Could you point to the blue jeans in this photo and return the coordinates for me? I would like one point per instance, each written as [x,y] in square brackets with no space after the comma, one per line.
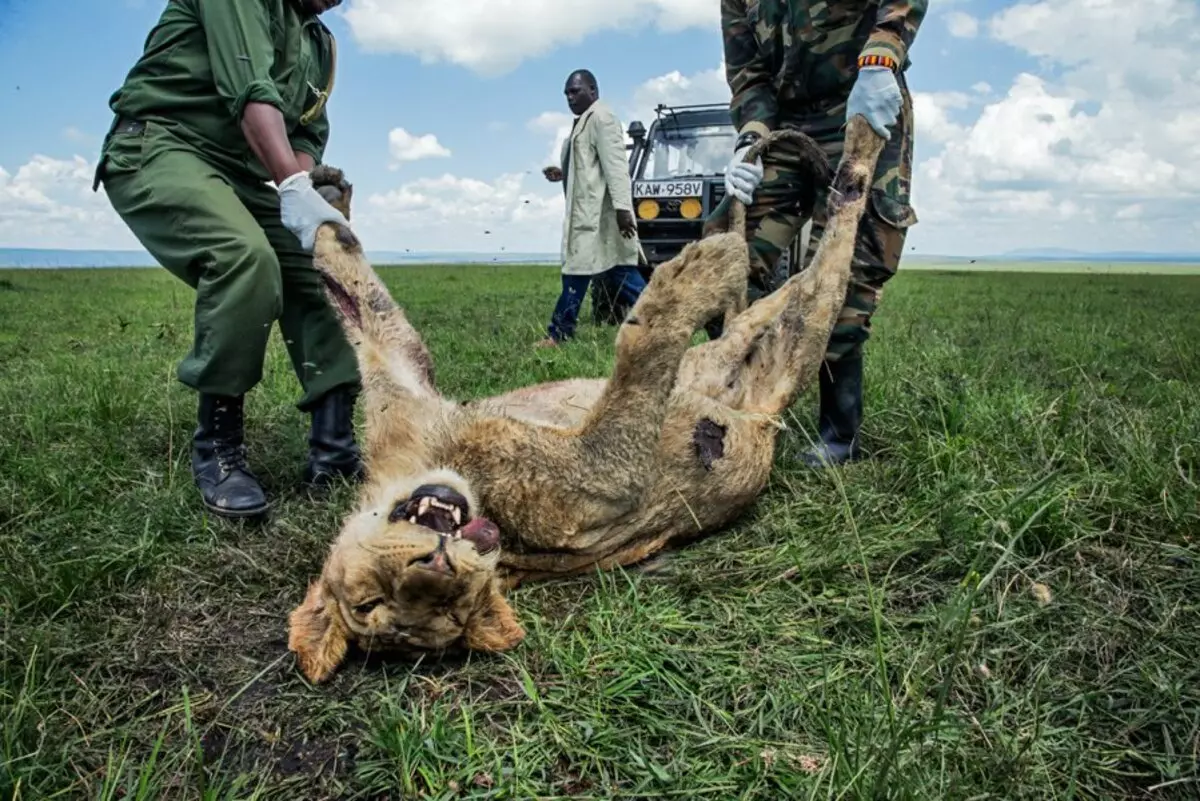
[626,280]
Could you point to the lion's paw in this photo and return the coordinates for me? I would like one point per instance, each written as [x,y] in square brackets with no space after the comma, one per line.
[331,184]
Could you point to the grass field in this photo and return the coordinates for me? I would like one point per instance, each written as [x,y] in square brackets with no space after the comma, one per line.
[1003,604]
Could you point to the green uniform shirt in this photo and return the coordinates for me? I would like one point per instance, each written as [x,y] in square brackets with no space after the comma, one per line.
[799,57]
[205,59]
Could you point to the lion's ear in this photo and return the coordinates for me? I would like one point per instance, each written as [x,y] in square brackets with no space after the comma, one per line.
[317,634]
[493,626]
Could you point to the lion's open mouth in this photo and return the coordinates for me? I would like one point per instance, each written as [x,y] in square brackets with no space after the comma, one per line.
[446,511]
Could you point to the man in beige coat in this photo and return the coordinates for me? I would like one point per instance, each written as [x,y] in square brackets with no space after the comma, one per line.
[599,233]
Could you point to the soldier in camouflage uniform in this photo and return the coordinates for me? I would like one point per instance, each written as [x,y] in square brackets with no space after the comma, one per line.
[226,97]
[810,66]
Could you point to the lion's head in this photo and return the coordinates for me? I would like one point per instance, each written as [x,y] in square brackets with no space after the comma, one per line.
[412,571]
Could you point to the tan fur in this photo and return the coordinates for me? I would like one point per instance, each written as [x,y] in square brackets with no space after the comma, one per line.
[578,475]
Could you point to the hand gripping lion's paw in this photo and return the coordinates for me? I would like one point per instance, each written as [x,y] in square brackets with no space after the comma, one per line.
[331,184]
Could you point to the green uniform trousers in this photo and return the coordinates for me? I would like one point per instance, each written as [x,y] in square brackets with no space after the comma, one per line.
[221,234]
[787,197]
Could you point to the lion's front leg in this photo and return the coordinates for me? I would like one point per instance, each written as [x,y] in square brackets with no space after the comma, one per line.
[395,367]
[770,352]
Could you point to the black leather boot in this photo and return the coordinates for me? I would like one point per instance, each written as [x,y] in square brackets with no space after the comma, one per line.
[332,451]
[840,414]
[227,486]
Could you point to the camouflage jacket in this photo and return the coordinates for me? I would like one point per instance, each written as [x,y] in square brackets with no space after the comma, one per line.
[800,56]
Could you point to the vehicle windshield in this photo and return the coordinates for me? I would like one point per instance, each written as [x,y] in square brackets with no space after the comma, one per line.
[673,152]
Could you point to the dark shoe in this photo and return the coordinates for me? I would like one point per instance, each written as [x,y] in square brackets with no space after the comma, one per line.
[840,414]
[332,451]
[227,486]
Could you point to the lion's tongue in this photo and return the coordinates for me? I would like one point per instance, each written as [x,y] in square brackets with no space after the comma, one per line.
[483,533]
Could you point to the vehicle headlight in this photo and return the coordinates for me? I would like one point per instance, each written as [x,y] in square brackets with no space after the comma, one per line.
[647,209]
[690,208]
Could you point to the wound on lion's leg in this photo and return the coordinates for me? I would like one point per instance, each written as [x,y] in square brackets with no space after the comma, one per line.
[708,438]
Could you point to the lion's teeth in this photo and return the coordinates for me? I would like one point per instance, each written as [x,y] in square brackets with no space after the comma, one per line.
[423,506]
[444,506]
[413,520]
[456,513]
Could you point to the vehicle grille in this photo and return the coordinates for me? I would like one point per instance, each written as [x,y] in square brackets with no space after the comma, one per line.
[716,193]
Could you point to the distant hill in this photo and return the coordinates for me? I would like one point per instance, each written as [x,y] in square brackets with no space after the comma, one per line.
[1064,254]
[41,258]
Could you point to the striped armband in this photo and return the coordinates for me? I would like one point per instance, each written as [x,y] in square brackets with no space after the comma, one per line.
[874,60]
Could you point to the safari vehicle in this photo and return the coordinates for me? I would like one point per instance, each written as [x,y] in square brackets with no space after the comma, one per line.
[677,175]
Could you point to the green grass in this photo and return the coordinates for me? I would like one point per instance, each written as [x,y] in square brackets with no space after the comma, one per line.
[1001,605]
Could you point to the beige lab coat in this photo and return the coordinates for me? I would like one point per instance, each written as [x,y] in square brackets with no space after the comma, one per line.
[597,184]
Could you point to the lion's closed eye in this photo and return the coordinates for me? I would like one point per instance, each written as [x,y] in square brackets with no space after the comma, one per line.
[366,607]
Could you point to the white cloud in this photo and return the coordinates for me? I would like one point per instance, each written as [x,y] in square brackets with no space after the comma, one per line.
[677,89]
[403,146]
[1099,149]
[516,212]
[1023,137]
[931,112]
[962,25]
[549,122]
[493,38]
[557,125]
[49,203]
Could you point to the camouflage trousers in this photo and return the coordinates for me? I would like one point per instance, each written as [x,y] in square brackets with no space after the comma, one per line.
[787,198]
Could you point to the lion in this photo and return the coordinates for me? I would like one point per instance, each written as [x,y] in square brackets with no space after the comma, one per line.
[463,501]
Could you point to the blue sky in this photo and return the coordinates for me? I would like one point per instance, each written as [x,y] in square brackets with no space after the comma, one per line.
[1039,123]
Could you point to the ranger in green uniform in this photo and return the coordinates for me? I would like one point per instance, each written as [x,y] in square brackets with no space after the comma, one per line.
[810,65]
[227,97]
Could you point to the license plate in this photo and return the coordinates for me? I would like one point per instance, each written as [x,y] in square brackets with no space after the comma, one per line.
[668,189]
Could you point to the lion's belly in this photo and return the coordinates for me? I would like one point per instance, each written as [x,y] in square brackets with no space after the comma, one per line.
[711,463]
[562,404]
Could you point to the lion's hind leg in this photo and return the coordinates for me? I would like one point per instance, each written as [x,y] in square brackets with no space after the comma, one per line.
[706,278]
[771,351]
[563,487]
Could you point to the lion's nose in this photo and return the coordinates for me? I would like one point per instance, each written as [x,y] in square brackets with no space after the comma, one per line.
[436,561]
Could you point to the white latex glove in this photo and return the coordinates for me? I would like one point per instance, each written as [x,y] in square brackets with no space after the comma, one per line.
[741,179]
[876,96]
[303,210]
